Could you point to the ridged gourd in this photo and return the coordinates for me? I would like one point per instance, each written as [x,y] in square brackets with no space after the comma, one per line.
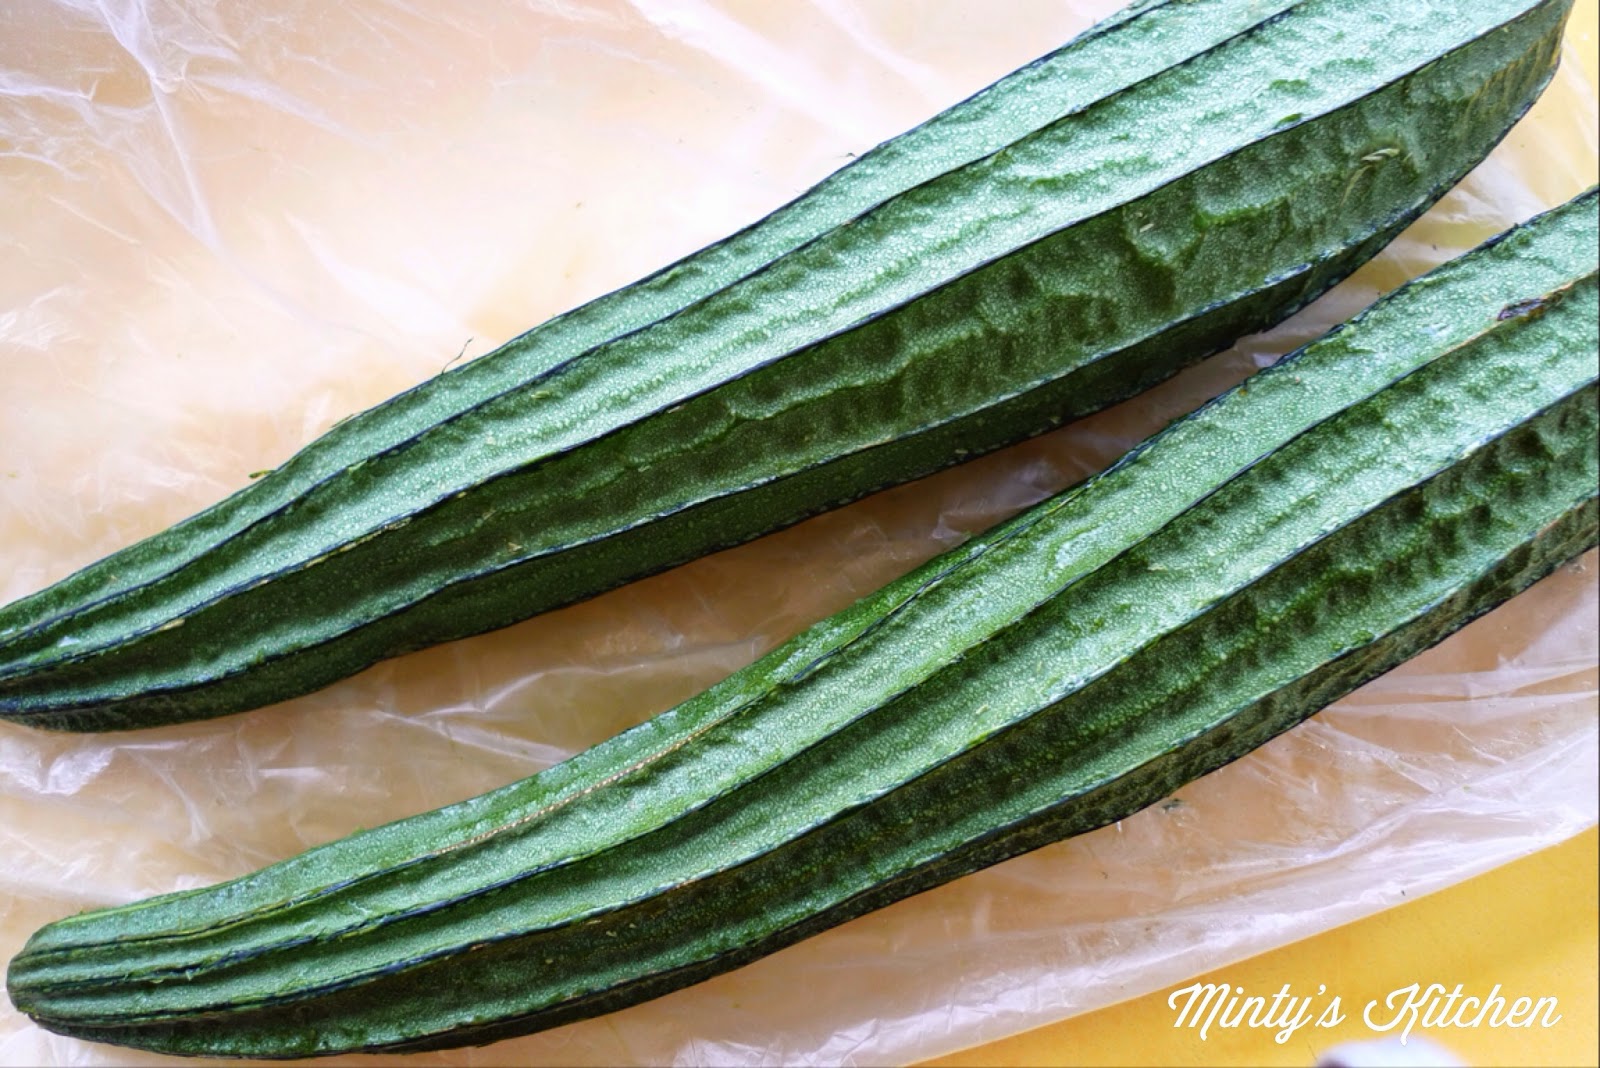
[1189,172]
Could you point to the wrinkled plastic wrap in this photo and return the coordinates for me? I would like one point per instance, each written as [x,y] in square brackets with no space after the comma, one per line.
[228,225]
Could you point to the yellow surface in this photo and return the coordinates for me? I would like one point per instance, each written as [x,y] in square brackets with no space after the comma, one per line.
[1529,926]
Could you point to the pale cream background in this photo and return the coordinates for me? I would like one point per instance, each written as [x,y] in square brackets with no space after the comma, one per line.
[227,225]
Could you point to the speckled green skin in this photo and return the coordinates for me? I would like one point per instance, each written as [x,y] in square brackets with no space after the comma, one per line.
[1193,172]
[1316,526]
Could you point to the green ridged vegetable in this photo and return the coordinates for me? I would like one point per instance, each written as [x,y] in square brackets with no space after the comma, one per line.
[1188,173]
[1294,538]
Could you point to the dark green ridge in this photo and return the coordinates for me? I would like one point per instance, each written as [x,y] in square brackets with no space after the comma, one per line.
[1458,464]
[683,480]
[1457,306]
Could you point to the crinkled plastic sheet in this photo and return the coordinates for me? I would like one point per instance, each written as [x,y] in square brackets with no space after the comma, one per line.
[226,226]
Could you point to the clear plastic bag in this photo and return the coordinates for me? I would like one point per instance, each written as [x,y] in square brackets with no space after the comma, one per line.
[229,225]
